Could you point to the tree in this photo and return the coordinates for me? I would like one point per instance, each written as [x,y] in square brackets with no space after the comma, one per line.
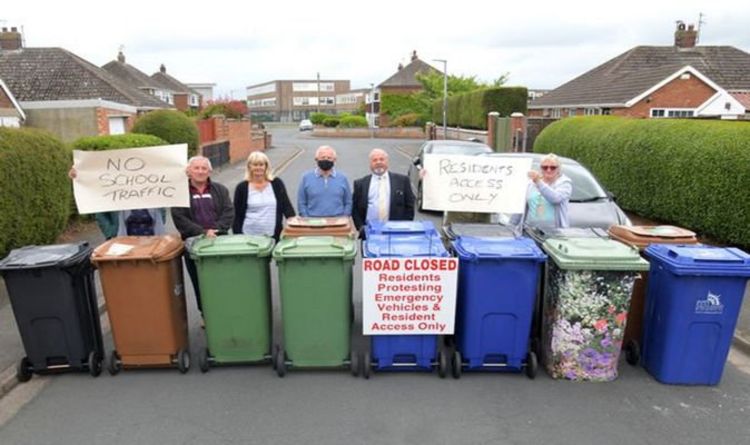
[432,83]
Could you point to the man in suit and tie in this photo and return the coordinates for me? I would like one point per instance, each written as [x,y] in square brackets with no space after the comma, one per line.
[383,195]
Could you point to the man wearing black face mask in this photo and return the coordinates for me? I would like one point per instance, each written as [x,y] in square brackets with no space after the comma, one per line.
[324,191]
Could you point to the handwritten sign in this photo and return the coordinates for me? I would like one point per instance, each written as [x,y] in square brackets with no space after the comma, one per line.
[409,296]
[132,178]
[480,184]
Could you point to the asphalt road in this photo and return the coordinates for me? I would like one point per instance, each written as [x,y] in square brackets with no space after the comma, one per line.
[241,405]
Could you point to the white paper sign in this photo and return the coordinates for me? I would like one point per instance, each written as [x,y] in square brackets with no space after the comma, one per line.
[132,178]
[409,296]
[481,184]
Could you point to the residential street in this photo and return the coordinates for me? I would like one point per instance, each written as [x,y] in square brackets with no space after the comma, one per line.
[250,404]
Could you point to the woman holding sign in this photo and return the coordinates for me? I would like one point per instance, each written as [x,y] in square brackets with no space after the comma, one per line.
[548,194]
[260,201]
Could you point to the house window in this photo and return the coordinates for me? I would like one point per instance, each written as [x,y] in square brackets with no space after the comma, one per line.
[672,113]
[555,113]
[592,111]
[571,111]
[606,111]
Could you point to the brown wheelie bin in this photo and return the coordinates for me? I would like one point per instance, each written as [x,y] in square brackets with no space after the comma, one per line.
[640,237]
[143,287]
[297,226]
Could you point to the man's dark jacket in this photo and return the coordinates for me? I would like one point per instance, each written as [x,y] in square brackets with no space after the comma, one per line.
[184,219]
[402,199]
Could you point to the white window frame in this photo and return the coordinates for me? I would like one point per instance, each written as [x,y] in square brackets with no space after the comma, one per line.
[672,113]
[555,113]
[592,111]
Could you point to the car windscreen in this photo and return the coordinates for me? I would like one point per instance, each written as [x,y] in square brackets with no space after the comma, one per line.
[459,149]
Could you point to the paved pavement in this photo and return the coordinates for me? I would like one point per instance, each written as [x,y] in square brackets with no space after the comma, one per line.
[11,348]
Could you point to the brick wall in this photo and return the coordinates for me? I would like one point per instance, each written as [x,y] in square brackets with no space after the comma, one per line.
[239,139]
[181,101]
[237,132]
[679,93]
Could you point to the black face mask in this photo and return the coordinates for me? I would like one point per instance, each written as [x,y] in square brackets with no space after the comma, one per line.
[325,164]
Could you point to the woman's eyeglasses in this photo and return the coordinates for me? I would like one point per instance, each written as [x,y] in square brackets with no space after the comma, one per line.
[549,167]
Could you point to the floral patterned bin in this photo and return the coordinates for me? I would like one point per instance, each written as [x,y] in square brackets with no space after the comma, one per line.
[589,283]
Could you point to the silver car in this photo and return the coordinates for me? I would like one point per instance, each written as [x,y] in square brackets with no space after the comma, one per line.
[440,147]
[306,125]
[591,205]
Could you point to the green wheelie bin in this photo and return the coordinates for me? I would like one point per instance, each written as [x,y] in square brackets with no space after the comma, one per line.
[233,272]
[315,287]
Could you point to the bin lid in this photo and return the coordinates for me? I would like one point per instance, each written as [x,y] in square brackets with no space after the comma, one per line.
[698,259]
[249,245]
[642,236]
[539,234]
[131,248]
[315,247]
[380,245]
[400,227]
[456,230]
[33,257]
[474,248]
[315,223]
[310,226]
[593,254]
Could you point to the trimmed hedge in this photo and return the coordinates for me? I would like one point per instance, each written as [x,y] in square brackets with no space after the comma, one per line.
[318,118]
[129,140]
[331,122]
[469,110]
[395,105]
[35,203]
[352,122]
[691,173]
[172,126]
[408,120]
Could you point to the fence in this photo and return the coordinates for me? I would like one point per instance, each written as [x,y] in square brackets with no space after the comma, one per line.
[217,152]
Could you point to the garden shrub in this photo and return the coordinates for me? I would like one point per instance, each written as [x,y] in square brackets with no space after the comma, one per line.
[35,207]
[331,122]
[171,126]
[352,122]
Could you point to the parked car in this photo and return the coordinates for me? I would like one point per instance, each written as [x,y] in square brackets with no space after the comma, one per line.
[440,147]
[305,125]
[591,205]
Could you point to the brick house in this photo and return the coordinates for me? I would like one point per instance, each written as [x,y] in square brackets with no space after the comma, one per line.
[11,114]
[184,97]
[138,79]
[403,81]
[67,95]
[679,81]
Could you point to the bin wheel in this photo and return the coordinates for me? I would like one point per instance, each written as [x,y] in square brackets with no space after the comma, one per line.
[632,352]
[183,360]
[456,365]
[532,365]
[354,363]
[203,362]
[94,364]
[366,365]
[115,365]
[24,370]
[535,346]
[280,363]
[442,364]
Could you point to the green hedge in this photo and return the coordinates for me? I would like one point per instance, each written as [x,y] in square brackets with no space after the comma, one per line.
[691,173]
[395,105]
[35,203]
[352,122]
[318,118]
[469,110]
[129,140]
[172,126]
[331,122]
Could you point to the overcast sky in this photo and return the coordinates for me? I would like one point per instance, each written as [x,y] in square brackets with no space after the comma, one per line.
[540,44]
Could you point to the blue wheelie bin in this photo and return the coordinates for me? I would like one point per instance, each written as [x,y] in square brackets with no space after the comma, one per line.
[497,287]
[404,352]
[693,301]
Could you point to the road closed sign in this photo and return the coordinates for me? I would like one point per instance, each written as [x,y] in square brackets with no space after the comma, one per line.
[409,296]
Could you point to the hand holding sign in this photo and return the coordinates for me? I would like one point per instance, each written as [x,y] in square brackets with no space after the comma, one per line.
[134,178]
[482,184]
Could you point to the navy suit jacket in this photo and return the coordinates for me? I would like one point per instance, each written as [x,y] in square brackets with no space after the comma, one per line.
[402,199]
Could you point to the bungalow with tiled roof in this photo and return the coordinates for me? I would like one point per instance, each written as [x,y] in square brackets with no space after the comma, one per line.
[184,97]
[679,81]
[69,96]
[137,78]
[11,114]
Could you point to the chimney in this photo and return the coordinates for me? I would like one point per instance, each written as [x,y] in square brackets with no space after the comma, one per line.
[11,40]
[163,69]
[400,66]
[120,57]
[685,38]
[414,55]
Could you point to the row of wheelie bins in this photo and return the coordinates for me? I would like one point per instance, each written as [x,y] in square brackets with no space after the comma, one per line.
[562,298]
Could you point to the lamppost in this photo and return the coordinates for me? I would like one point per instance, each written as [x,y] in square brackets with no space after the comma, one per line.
[318,92]
[445,95]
